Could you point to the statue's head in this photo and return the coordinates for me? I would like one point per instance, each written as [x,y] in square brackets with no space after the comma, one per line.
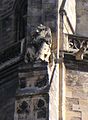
[41,30]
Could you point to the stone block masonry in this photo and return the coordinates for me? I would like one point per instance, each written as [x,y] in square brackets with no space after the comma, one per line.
[33,75]
[76,95]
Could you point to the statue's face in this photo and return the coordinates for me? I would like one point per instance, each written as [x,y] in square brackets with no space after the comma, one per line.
[41,32]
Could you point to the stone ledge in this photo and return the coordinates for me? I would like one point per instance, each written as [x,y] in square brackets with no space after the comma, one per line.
[32,91]
[35,64]
[73,64]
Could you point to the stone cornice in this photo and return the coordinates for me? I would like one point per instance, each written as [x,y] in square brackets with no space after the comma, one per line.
[72,63]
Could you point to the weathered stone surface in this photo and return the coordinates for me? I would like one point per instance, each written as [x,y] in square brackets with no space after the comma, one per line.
[36,106]
[82,19]
[76,94]
[6,23]
[34,76]
[32,107]
[7,31]
[73,115]
[40,45]
[71,12]
[42,12]
[54,95]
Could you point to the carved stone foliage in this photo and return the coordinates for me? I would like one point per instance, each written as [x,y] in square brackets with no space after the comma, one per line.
[40,45]
[74,44]
[79,45]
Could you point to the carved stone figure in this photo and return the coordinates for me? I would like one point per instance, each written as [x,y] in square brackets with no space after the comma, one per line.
[40,46]
[80,53]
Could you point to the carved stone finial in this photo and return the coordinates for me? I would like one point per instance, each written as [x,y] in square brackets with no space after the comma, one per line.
[40,45]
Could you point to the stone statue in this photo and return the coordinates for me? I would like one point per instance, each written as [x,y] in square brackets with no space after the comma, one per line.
[80,53]
[40,45]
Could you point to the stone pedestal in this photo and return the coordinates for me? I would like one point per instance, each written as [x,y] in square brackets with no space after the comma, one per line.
[37,95]
[32,100]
